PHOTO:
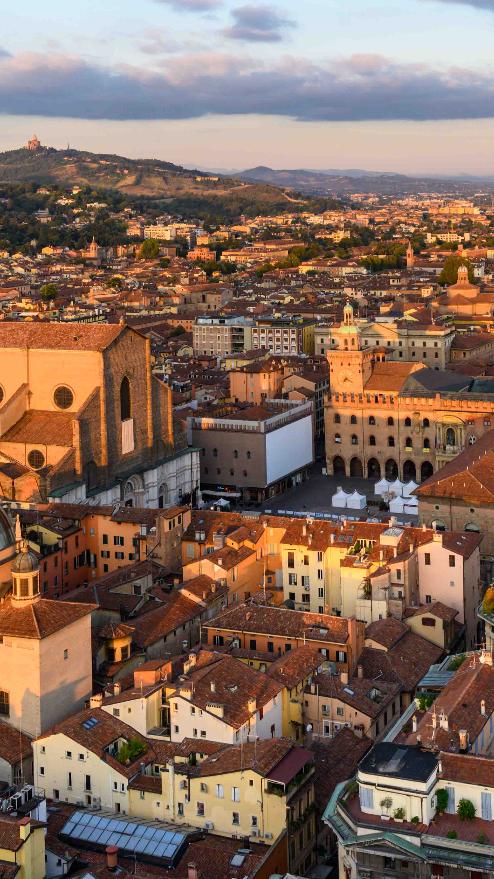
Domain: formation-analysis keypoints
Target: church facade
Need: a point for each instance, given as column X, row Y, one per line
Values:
column 83, row 418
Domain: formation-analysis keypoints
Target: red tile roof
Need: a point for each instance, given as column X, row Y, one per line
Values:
column 41, row 618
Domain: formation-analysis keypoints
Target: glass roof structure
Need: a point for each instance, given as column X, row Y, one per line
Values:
column 147, row 842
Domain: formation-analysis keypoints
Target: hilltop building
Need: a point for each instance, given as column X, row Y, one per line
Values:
column 33, row 144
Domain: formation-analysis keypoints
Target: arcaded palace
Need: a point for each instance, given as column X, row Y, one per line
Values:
column 389, row 418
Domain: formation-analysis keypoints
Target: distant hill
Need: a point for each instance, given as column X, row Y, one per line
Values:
column 186, row 190
column 333, row 182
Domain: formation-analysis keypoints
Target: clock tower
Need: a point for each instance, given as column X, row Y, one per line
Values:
column 350, row 365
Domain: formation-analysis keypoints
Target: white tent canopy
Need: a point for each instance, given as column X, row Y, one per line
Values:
column 396, row 487
column 381, row 487
column 340, row 498
column 356, row 501
column 408, row 487
column 396, row 505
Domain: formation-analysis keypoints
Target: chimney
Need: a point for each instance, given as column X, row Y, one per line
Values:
column 344, row 677
column 332, row 538
column 482, row 707
column 112, row 857
column 304, row 530
column 424, row 526
column 360, row 672
column 414, row 723
column 463, row 739
column 96, row 701
column 117, row 688
column 213, row 687
column 24, row 828
column 192, row 871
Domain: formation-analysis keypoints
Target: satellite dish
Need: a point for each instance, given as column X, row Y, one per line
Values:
column 308, row 728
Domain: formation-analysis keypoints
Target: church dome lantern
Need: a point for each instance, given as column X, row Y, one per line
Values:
column 25, row 575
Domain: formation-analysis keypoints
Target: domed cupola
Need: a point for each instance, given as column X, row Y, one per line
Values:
column 25, row 575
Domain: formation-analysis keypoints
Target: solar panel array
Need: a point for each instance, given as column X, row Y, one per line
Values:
column 145, row 841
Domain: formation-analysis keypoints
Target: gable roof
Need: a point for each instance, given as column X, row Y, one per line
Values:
column 469, row 477
column 64, row 336
column 225, row 681
column 257, row 619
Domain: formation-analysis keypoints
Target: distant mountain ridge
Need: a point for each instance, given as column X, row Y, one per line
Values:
column 347, row 181
column 151, row 178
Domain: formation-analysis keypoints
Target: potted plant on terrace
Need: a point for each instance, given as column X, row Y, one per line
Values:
column 399, row 815
column 385, row 805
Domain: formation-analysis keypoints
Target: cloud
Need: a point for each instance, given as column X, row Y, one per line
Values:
column 191, row 5
column 477, row 4
column 257, row 24
column 4, row 53
column 190, row 85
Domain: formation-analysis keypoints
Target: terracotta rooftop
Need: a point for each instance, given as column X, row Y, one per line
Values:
column 281, row 621
column 64, row 336
column 14, row 745
column 386, row 632
column 405, row 663
column 460, row 703
column 41, row 618
column 42, row 428
column 230, row 683
column 295, row 666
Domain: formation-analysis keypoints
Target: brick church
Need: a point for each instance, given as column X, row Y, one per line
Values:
column 82, row 417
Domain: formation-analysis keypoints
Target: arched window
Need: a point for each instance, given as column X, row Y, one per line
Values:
column 408, row 443
column 408, row 422
column 4, row 703
column 353, row 419
column 337, row 419
column 391, row 421
column 426, row 423
column 391, row 441
column 354, row 439
column 450, row 437
column 372, row 420
column 372, row 440
column 124, row 399
column 337, row 438
column 427, row 443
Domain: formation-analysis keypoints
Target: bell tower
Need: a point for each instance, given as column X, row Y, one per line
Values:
column 410, row 256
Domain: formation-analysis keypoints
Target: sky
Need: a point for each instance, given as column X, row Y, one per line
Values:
column 386, row 85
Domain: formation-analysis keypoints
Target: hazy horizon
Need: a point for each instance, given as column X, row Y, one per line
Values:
column 206, row 142
column 376, row 84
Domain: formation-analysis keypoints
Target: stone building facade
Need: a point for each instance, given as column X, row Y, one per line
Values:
column 81, row 410
column 391, row 419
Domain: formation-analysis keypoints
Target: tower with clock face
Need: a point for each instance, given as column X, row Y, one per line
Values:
column 350, row 365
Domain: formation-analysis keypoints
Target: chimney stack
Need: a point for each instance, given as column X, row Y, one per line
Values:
column 192, row 871
column 213, row 687
column 414, row 723
column 344, row 677
column 112, row 857
column 360, row 672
